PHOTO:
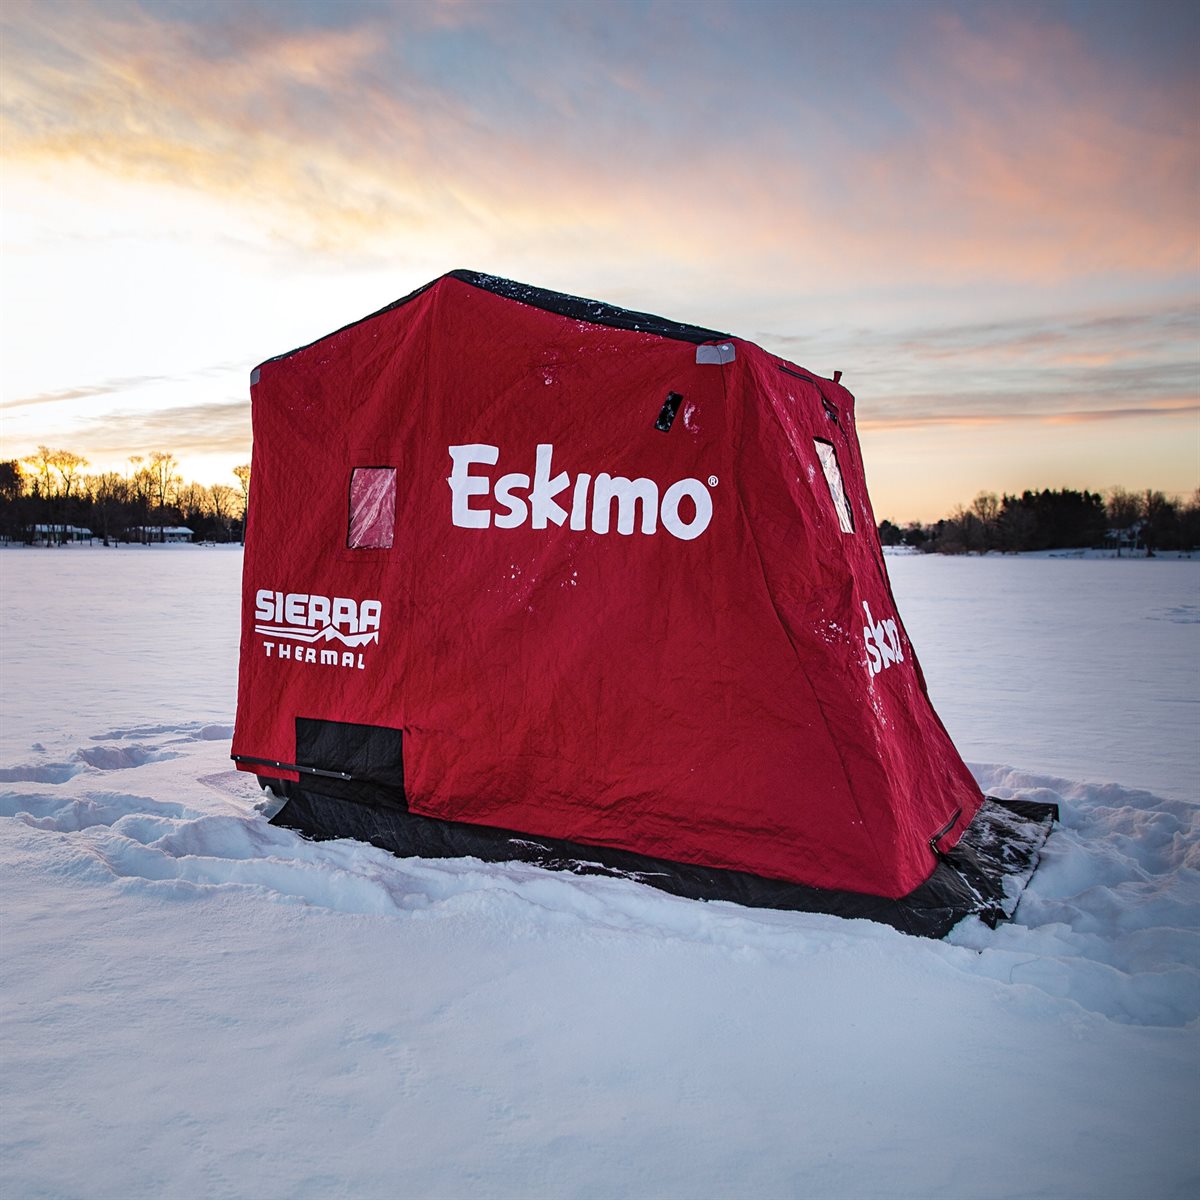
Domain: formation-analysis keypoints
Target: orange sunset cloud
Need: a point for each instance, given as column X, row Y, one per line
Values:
column 993, row 208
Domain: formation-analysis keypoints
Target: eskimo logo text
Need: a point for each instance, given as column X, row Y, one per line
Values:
column 882, row 639
column 292, row 623
column 520, row 498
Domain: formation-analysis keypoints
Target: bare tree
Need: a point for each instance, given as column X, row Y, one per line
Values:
column 1189, row 523
column 985, row 508
column 164, row 478
column 243, row 477
column 1162, row 521
column 40, row 464
column 192, row 497
column 223, row 499
column 108, row 492
column 1123, row 508
column 139, row 494
column 68, row 465
column 163, row 474
column 963, row 532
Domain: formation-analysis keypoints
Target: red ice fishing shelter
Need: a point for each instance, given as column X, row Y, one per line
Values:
column 531, row 576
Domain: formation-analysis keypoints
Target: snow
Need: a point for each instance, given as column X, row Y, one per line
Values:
column 1087, row 668
column 197, row 1003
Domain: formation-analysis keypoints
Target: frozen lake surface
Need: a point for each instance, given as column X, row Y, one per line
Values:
column 197, row 1003
column 1088, row 668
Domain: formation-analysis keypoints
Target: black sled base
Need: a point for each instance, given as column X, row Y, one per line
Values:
column 984, row 874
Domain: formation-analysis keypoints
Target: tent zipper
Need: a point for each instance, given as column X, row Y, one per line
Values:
column 941, row 833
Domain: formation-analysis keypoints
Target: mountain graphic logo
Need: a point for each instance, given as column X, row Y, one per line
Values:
column 293, row 625
column 327, row 633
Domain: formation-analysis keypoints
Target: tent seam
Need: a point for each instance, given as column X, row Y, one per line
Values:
column 800, row 662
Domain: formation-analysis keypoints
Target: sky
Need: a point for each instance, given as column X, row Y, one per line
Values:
column 986, row 215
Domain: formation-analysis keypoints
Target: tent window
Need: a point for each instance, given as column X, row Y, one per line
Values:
column 833, row 477
column 372, row 508
column 666, row 417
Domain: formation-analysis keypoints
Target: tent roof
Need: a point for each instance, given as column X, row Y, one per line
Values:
column 596, row 312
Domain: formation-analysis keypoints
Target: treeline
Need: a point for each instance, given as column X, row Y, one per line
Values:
column 1142, row 522
column 49, row 498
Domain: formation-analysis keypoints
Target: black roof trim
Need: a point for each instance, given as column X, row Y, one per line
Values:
column 595, row 312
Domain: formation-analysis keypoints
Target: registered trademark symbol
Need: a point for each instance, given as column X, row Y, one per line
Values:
column 712, row 481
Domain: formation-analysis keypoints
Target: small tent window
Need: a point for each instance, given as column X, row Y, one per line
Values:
column 372, row 508
column 833, row 477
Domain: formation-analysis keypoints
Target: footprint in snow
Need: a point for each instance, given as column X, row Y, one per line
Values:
column 192, row 731
column 40, row 773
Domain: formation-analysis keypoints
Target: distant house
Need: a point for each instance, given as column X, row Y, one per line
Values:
column 1126, row 539
column 158, row 533
column 58, row 534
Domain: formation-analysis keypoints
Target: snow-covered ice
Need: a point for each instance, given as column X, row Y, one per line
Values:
column 1007, row 641
column 196, row 1003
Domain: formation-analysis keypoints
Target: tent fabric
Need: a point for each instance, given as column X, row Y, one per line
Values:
column 470, row 531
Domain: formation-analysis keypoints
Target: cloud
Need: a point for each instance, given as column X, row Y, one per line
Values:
column 1184, row 407
column 1077, row 337
column 1002, row 151
column 246, row 111
column 923, row 412
column 105, row 388
column 1028, row 155
column 700, row 159
column 1084, row 367
column 1154, row 330
column 221, row 427
column 121, row 384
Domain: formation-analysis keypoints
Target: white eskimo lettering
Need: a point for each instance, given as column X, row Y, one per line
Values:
column 579, row 504
column 627, row 493
column 517, row 509
column 541, row 499
column 464, row 485
column 520, row 498
column 875, row 659
column 882, row 640
column 699, row 495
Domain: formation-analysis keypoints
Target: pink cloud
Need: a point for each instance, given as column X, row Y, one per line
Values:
column 1029, row 159
column 1022, row 158
column 914, row 418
